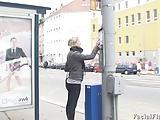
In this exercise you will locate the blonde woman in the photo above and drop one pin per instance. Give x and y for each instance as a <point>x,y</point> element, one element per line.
<point>75,66</point>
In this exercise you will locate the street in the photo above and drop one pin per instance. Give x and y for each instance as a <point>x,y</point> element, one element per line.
<point>141,97</point>
<point>141,93</point>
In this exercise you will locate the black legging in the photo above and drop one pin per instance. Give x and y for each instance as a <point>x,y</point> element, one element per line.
<point>73,95</point>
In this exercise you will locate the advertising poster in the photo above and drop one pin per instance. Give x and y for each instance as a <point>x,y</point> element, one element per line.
<point>15,62</point>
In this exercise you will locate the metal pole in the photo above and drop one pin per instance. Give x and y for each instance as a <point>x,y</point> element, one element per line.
<point>36,86</point>
<point>115,110</point>
<point>109,58</point>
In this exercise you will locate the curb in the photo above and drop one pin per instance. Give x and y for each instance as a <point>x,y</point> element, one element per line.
<point>62,105</point>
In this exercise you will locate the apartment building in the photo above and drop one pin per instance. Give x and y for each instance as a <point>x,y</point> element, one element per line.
<point>71,20</point>
<point>137,31</point>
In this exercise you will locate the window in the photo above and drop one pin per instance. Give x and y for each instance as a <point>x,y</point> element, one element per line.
<point>127,39</point>
<point>139,18</point>
<point>94,14</point>
<point>114,8</point>
<point>119,40</point>
<point>127,53</point>
<point>148,16</point>
<point>126,4</point>
<point>126,20</point>
<point>119,22</point>
<point>133,19</point>
<point>94,27</point>
<point>119,6</point>
<point>155,14</point>
<point>133,53</point>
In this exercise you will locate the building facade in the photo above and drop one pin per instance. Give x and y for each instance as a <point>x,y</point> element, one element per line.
<point>96,23</point>
<point>41,40</point>
<point>137,31</point>
<point>71,20</point>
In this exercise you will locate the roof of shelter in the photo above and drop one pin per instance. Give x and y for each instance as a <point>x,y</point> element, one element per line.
<point>39,9</point>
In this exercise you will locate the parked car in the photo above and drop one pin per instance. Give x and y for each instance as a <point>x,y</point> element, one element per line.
<point>89,68</point>
<point>127,69</point>
<point>53,66</point>
<point>97,68</point>
<point>57,66</point>
<point>60,66</point>
<point>45,64</point>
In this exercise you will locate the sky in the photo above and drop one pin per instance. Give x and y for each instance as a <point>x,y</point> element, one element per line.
<point>53,4</point>
<point>46,3</point>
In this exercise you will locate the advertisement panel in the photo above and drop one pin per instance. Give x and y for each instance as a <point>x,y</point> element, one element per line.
<point>15,62</point>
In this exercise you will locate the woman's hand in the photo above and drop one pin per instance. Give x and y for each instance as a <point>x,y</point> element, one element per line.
<point>99,44</point>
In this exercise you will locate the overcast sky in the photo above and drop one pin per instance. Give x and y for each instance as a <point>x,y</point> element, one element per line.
<point>46,3</point>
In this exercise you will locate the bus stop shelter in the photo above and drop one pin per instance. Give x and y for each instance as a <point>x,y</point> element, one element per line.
<point>20,22</point>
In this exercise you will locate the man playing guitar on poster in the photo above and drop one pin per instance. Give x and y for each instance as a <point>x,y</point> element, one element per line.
<point>14,58</point>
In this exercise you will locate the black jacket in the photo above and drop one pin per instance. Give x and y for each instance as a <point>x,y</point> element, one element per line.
<point>75,62</point>
<point>17,54</point>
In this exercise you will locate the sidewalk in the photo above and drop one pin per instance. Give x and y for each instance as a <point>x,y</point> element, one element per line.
<point>48,111</point>
<point>146,72</point>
